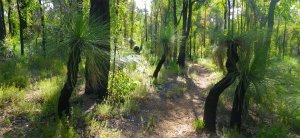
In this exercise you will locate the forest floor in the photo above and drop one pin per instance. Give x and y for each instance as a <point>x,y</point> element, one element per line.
<point>169,109</point>
<point>172,107</point>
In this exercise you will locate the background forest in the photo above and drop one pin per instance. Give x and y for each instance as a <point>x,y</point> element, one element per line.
<point>150,68</point>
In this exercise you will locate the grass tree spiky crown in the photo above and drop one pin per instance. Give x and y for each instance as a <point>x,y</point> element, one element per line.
<point>88,35</point>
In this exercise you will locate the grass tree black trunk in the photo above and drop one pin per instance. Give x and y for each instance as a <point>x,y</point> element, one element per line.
<point>161,62</point>
<point>72,67</point>
<point>210,107</point>
<point>238,103</point>
<point>100,12</point>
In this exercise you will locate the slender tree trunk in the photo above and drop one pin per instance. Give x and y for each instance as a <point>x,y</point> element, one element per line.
<point>146,23</point>
<point>228,16</point>
<point>43,27</point>
<point>66,92</point>
<point>101,11</point>
<point>190,48</point>
<point>277,40</point>
<point>195,43</point>
<point>261,54</point>
<point>132,22</point>
<point>175,24</point>
<point>22,26</point>
<point>225,16</point>
<point>232,24</point>
<point>204,30</point>
<point>2,23</point>
<point>211,102</point>
<point>284,41</point>
<point>187,22</point>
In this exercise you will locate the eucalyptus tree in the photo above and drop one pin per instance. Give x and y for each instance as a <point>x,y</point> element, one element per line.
<point>21,7</point>
<point>11,25</point>
<point>187,13</point>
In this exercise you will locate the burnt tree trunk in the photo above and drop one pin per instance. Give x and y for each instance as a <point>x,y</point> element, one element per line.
<point>238,103</point>
<point>210,107</point>
<point>161,62</point>
<point>66,92</point>
<point>182,49</point>
<point>101,11</point>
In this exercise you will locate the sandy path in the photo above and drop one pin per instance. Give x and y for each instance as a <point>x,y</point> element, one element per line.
<point>162,116</point>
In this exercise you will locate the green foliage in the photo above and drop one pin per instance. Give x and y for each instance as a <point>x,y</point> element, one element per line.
<point>231,133</point>
<point>275,131</point>
<point>123,86</point>
<point>103,111</point>
<point>198,125</point>
<point>14,73</point>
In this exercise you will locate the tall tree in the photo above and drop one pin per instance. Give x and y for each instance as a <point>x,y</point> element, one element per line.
<point>21,6</point>
<point>9,17</point>
<point>2,22</point>
<point>258,68</point>
<point>100,13</point>
<point>187,13</point>
<point>43,27</point>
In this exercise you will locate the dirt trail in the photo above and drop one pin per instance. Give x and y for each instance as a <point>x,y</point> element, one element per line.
<point>162,115</point>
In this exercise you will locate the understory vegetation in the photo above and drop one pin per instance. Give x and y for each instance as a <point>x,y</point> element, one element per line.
<point>150,68</point>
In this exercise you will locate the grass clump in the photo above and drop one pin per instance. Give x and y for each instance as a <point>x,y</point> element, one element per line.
<point>274,131</point>
<point>231,133</point>
<point>198,125</point>
<point>103,111</point>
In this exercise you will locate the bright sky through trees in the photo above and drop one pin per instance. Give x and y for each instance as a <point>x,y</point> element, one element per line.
<point>141,4</point>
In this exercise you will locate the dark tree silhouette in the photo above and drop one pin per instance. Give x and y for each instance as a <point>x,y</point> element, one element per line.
<point>100,13</point>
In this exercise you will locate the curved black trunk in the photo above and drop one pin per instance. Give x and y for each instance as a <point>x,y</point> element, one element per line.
<point>159,65</point>
<point>210,107</point>
<point>72,67</point>
<point>238,103</point>
<point>161,62</point>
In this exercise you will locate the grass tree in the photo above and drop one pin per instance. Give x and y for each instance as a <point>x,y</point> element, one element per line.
<point>166,38</point>
<point>99,14</point>
<point>81,39</point>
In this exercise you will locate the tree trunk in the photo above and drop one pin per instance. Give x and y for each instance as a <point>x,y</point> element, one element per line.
<point>2,23</point>
<point>22,26</point>
<point>238,103</point>
<point>187,22</point>
<point>66,92</point>
<point>10,21</point>
<point>101,11</point>
<point>211,102</point>
<point>232,24</point>
<point>228,16</point>
<point>284,41</point>
<point>161,62</point>
<point>132,22</point>
<point>175,24</point>
<point>261,54</point>
<point>146,23</point>
<point>225,16</point>
<point>43,27</point>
